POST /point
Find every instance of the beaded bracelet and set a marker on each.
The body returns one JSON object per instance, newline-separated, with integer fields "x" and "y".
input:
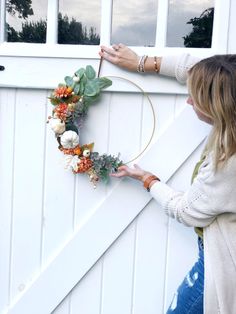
{"x": 141, "y": 63}
{"x": 155, "y": 64}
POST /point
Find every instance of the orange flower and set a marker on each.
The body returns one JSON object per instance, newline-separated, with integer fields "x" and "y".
{"x": 84, "y": 165}
{"x": 63, "y": 92}
{"x": 61, "y": 111}
{"x": 71, "y": 151}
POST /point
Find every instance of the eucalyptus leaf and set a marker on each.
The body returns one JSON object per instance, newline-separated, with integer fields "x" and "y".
{"x": 69, "y": 81}
{"x": 81, "y": 90}
{"x": 76, "y": 88}
{"x": 80, "y": 72}
{"x": 103, "y": 82}
{"x": 90, "y": 72}
{"x": 91, "y": 89}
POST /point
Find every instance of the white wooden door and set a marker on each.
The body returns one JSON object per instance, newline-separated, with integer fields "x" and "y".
{"x": 69, "y": 249}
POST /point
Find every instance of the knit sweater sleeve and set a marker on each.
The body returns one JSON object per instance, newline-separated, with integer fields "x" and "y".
{"x": 177, "y": 66}
{"x": 210, "y": 195}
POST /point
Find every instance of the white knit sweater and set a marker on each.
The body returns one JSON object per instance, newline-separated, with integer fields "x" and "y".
{"x": 210, "y": 203}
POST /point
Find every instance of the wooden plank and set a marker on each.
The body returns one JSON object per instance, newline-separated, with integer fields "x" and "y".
{"x": 36, "y": 75}
{"x": 7, "y": 140}
{"x": 150, "y": 260}
{"x": 86, "y": 296}
{"x": 28, "y": 189}
{"x": 118, "y": 275}
{"x": 95, "y": 235}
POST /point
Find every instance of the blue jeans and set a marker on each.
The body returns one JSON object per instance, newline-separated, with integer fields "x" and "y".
{"x": 189, "y": 297}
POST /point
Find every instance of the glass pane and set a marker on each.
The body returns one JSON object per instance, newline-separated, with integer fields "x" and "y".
{"x": 190, "y": 23}
{"x": 26, "y": 20}
{"x": 134, "y": 22}
{"x": 79, "y": 22}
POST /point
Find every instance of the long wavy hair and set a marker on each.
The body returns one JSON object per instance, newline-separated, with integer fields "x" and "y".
{"x": 212, "y": 86}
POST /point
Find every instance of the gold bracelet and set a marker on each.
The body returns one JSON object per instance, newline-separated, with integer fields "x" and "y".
{"x": 155, "y": 65}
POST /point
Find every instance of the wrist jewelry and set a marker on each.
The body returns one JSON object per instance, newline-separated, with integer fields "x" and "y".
{"x": 148, "y": 181}
{"x": 155, "y": 65}
{"x": 141, "y": 63}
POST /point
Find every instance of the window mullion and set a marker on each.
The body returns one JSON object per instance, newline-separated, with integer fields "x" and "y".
{"x": 2, "y": 20}
{"x": 106, "y": 21}
{"x": 220, "y": 26}
{"x": 52, "y": 21}
{"x": 162, "y": 19}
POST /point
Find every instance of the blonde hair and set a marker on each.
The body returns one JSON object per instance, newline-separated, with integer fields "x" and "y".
{"x": 212, "y": 85}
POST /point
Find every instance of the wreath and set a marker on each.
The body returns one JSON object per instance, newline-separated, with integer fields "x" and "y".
{"x": 71, "y": 101}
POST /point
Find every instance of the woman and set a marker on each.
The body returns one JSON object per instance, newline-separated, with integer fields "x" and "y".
{"x": 210, "y": 203}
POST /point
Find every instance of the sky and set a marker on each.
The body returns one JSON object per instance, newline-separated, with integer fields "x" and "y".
{"x": 133, "y": 21}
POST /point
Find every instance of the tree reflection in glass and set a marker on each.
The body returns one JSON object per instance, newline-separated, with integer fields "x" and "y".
{"x": 190, "y": 23}
{"x": 79, "y": 22}
{"x": 26, "y": 21}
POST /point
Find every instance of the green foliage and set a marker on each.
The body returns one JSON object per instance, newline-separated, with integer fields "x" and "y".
{"x": 21, "y": 7}
{"x": 105, "y": 164}
{"x": 33, "y": 32}
{"x": 12, "y": 34}
{"x": 72, "y": 32}
{"x": 201, "y": 35}
{"x": 69, "y": 31}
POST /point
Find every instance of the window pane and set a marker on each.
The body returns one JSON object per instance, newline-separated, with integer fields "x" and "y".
{"x": 26, "y": 21}
{"x": 134, "y": 22}
{"x": 190, "y": 23}
{"x": 79, "y": 22}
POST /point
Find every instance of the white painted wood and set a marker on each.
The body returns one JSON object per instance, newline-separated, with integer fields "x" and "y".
{"x": 2, "y": 20}
{"x": 162, "y": 19}
{"x": 150, "y": 259}
{"x": 52, "y": 22}
{"x": 231, "y": 45}
{"x": 106, "y": 21}
{"x": 221, "y": 26}
{"x": 96, "y": 235}
{"x": 7, "y": 140}
{"x": 118, "y": 275}
{"x": 86, "y": 296}
{"x": 28, "y": 188}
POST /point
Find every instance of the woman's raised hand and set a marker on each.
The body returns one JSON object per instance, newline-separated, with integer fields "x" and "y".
{"x": 135, "y": 173}
{"x": 120, "y": 55}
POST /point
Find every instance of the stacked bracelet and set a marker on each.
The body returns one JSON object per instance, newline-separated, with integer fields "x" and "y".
{"x": 155, "y": 65}
{"x": 148, "y": 181}
{"x": 141, "y": 63}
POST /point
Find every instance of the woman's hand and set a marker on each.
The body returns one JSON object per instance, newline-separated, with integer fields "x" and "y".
{"x": 120, "y": 55}
{"x": 135, "y": 173}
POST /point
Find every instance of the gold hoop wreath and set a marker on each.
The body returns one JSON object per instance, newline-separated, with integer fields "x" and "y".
{"x": 71, "y": 101}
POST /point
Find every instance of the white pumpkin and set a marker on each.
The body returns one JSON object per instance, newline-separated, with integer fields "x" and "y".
{"x": 69, "y": 139}
{"x": 86, "y": 153}
{"x": 57, "y": 125}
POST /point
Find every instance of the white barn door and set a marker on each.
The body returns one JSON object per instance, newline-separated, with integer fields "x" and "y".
{"x": 69, "y": 249}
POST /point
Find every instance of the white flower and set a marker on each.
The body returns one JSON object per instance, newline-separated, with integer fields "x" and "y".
{"x": 71, "y": 162}
{"x": 69, "y": 139}
{"x": 57, "y": 125}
